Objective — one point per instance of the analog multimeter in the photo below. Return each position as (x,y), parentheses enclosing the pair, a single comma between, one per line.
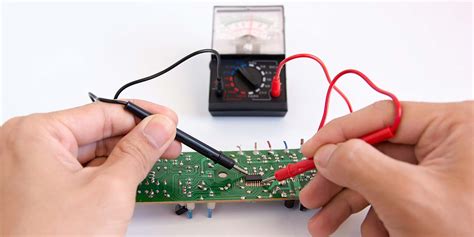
(251,42)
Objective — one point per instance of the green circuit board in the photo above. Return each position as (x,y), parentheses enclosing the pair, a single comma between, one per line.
(194,178)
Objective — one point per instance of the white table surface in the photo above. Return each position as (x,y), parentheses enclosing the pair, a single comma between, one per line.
(54,53)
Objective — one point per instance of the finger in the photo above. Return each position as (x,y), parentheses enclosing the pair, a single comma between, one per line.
(372,226)
(331,216)
(96,121)
(320,190)
(96,162)
(359,166)
(401,152)
(101,148)
(155,109)
(415,118)
(136,153)
(104,148)
(173,151)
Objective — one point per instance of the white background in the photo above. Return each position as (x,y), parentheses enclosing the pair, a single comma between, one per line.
(54,53)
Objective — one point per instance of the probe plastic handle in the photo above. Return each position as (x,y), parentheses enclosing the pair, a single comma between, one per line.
(292,170)
(187,139)
(378,136)
(137,110)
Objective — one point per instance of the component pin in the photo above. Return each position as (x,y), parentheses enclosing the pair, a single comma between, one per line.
(269,147)
(255,150)
(286,147)
(240,150)
(210,208)
(190,207)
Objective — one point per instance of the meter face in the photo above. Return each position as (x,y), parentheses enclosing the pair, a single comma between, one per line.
(249,30)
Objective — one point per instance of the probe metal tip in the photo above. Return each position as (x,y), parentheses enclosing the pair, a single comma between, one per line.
(240,169)
(269,179)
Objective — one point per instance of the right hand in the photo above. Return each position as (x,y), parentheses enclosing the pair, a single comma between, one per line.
(419,183)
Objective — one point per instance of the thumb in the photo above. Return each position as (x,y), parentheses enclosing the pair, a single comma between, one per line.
(134,155)
(357,165)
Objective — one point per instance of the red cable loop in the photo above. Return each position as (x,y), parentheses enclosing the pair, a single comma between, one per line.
(397,105)
(291,170)
(326,73)
(276,90)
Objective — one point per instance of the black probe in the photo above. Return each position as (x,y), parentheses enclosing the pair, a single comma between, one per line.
(181,136)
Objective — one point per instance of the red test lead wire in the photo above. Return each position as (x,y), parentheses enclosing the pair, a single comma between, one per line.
(276,84)
(291,170)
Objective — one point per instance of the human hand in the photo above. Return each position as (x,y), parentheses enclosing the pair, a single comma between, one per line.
(419,183)
(76,171)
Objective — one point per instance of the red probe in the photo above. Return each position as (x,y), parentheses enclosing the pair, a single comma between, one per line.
(292,170)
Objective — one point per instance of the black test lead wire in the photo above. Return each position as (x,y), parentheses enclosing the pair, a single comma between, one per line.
(181,136)
(220,83)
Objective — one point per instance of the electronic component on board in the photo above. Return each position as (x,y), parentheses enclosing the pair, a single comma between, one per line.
(210,207)
(180,209)
(289,203)
(253,178)
(255,149)
(190,206)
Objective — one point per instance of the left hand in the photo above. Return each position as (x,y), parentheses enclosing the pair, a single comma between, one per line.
(76,171)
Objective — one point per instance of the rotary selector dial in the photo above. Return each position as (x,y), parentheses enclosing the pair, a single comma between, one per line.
(249,78)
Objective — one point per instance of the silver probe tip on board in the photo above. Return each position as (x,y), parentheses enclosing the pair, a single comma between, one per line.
(240,169)
(269,179)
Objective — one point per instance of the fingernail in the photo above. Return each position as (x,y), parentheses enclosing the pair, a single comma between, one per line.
(158,130)
(323,155)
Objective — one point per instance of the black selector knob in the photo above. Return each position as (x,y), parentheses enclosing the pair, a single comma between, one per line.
(249,78)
